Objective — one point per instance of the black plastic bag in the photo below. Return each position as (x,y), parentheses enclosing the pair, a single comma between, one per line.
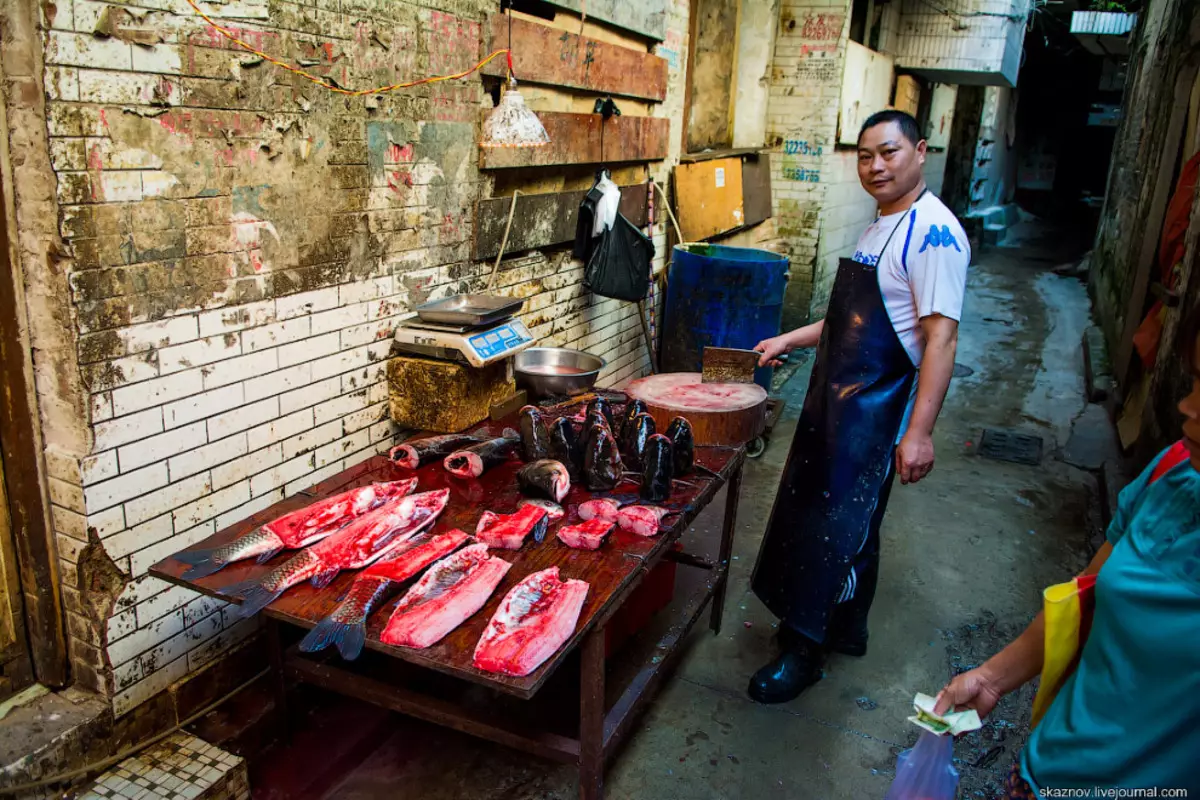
(619,266)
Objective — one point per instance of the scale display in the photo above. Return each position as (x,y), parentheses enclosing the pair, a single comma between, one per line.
(475,347)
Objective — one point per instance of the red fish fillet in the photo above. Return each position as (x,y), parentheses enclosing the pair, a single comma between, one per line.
(536,617)
(360,543)
(508,531)
(600,508)
(446,596)
(587,535)
(346,627)
(642,520)
(300,528)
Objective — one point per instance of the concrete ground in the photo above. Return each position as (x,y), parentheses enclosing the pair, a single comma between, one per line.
(965,556)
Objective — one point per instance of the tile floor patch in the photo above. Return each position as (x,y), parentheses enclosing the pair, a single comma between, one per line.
(180,767)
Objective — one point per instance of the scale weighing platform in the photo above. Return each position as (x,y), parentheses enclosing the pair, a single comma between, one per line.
(477,346)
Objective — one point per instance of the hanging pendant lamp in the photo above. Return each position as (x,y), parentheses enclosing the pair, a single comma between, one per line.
(512,123)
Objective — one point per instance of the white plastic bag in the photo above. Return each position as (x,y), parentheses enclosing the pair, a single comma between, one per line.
(606,207)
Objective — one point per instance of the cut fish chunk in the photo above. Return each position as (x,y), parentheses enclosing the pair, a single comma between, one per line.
(508,531)
(642,520)
(534,620)
(600,508)
(587,535)
(446,596)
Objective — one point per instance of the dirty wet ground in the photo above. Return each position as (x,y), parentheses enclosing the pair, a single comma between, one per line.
(965,556)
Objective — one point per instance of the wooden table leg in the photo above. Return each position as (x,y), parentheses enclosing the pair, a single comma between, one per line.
(591,717)
(732,491)
(275,648)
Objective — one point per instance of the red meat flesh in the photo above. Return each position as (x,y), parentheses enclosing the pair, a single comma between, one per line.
(302,526)
(445,597)
(415,555)
(534,620)
(600,508)
(508,531)
(375,535)
(587,535)
(642,520)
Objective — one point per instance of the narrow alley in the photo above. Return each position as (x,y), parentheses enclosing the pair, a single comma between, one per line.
(966,555)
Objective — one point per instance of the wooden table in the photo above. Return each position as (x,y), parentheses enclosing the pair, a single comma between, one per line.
(613,572)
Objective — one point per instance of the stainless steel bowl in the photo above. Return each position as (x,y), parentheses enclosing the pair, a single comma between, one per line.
(534,371)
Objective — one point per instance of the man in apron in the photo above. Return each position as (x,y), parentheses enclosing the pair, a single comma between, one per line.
(885,352)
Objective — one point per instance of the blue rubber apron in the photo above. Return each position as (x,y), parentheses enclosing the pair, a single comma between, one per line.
(841,455)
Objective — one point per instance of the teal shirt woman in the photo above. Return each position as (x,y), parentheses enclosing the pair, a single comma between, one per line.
(1129,716)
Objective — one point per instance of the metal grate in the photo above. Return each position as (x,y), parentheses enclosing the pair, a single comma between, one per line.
(1019,448)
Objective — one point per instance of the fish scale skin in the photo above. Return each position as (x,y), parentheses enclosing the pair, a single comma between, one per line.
(533,621)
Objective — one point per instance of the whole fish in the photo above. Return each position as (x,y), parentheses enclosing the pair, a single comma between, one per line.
(595,416)
(554,512)
(346,627)
(601,461)
(367,539)
(445,597)
(604,407)
(632,409)
(599,508)
(565,446)
(533,621)
(683,445)
(544,478)
(473,461)
(298,529)
(636,435)
(508,531)
(658,467)
(413,455)
(535,441)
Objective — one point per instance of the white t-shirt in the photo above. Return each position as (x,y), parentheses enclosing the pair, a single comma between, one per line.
(923,271)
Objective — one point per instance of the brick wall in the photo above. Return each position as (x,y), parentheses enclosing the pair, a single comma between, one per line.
(242,244)
(806,81)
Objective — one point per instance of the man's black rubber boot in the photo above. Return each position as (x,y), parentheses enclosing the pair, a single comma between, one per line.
(795,669)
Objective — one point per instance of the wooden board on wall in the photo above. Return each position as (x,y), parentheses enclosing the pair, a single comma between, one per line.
(709,197)
(542,54)
(543,220)
(866,88)
(908,94)
(576,139)
(756,188)
(646,17)
(712,85)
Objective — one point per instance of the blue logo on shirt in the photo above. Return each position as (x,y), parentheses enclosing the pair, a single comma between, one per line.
(866,258)
(942,238)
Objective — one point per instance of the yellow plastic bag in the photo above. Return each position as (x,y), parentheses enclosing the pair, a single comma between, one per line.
(1067,610)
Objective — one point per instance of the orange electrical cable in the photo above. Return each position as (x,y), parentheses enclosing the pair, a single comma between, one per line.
(333,87)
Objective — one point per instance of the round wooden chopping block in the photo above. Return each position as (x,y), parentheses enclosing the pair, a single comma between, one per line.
(720,413)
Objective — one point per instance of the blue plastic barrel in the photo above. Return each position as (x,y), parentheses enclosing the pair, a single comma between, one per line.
(720,296)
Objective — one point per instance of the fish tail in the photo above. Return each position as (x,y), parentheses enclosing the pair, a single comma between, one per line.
(254,596)
(348,637)
(202,562)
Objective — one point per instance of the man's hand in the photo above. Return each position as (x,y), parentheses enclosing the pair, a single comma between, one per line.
(771,349)
(914,456)
(972,689)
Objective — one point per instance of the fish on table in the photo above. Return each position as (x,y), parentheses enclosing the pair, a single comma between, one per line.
(473,461)
(602,469)
(346,627)
(418,453)
(535,439)
(586,535)
(509,531)
(300,528)
(446,596)
(533,621)
(545,478)
(360,543)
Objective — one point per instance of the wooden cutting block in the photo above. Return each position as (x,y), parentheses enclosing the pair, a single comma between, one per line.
(720,413)
(443,396)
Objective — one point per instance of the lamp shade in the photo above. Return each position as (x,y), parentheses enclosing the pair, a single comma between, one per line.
(513,124)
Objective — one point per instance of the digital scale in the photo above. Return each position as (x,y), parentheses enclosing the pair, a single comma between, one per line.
(477,346)
(472,329)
